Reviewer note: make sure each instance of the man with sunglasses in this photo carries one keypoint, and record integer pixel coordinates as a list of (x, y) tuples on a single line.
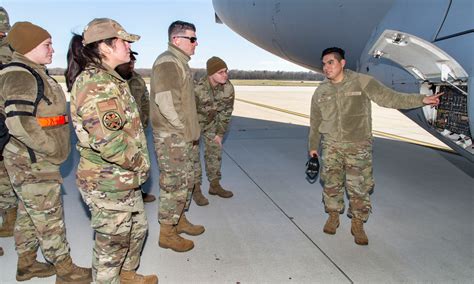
[(215, 103), (176, 131)]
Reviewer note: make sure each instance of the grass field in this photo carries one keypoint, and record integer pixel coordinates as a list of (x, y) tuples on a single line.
[(60, 79)]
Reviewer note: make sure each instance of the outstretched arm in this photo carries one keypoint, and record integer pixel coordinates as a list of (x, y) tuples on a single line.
[(432, 100)]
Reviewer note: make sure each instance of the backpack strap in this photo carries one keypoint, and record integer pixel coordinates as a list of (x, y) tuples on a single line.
[(39, 96)]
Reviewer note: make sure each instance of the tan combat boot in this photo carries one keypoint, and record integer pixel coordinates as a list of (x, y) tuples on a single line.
[(198, 197), (332, 223), (28, 267), (184, 226), (216, 189), (9, 218), (131, 277), (357, 230), (68, 272), (169, 238)]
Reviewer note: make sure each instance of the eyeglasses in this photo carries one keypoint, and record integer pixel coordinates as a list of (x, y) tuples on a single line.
[(192, 39)]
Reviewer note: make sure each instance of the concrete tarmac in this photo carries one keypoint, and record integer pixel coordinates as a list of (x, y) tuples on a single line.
[(421, 229)]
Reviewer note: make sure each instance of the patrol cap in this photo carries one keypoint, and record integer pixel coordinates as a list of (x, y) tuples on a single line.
[(4, 21), (104, 28)]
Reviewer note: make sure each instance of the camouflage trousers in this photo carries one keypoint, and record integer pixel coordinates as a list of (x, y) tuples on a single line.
[(176, 175), (8, 197), (347, 166), (40, 220), (212, 159), (119, 235)]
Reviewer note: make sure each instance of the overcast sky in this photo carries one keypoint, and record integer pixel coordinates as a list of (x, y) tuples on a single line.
[(150, 19)]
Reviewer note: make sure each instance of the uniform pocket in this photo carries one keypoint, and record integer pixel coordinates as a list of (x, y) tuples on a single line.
[(46, 171), (327, 105)]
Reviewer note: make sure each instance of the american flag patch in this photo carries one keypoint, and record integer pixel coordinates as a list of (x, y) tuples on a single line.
[(107, 105)]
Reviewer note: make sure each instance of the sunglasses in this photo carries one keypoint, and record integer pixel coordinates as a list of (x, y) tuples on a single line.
[(191, 38)]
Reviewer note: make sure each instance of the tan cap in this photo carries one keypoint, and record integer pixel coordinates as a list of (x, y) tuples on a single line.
[(25, 36), (104, 28)]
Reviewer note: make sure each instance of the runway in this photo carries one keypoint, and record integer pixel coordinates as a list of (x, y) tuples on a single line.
[(421, 229)]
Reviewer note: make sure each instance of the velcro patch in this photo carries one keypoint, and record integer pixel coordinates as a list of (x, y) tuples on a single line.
[(112, 120), (324, 99), (350, 94), (107, 105)]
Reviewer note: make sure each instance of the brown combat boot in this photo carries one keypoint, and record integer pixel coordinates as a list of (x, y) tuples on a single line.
[(169, 238), (332, 223), (184, 226), (131, 277), (148, 197), (9, 218), (357, 230), (216, 189), (68, 272), (28, 267), (1, 251), (198, 197)]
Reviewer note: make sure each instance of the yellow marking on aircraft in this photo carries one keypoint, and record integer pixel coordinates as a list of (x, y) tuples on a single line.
[(375, 132)]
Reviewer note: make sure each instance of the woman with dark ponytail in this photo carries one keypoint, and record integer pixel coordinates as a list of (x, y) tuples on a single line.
[(114, 156)]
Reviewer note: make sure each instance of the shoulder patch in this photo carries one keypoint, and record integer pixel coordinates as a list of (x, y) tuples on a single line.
[(112, 120)]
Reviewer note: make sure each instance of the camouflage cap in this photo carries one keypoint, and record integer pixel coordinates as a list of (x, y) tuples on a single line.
[(104, 28), (4, 21)]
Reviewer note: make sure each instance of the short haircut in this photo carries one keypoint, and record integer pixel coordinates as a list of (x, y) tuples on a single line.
[(339, 52), (178, 27)]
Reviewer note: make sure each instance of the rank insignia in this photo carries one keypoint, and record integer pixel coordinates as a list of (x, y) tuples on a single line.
[(112, 120)]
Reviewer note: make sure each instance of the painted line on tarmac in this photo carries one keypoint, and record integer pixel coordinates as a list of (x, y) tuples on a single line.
[(375, 132)]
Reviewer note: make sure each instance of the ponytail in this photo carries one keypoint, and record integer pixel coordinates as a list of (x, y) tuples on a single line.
[(79, 56)]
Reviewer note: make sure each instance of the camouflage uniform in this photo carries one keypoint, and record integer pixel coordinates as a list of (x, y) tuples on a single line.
[(142, 97), (175, 128), (34, 171), (5, 52), (341, 116), (114, 163), (8, 198), (214, 108)]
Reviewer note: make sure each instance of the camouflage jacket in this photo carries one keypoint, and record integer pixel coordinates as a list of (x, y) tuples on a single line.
[(172, 103), (111, 140), (342, 112), (142, 97), (18, 87), (5, 52), (214, 106)]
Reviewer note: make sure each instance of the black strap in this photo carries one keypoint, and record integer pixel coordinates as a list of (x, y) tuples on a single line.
[(39, 83), (39, 96), (18, 102)]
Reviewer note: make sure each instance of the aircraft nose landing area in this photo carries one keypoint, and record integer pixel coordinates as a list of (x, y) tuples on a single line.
[(420, 230)]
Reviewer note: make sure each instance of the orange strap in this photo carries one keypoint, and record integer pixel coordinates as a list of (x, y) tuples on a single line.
[(52, 121)]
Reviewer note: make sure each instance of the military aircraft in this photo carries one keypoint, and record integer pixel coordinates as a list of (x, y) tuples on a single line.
[(412, 46)]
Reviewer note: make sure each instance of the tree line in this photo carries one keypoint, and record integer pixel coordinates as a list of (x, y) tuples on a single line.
[(234, 74)]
